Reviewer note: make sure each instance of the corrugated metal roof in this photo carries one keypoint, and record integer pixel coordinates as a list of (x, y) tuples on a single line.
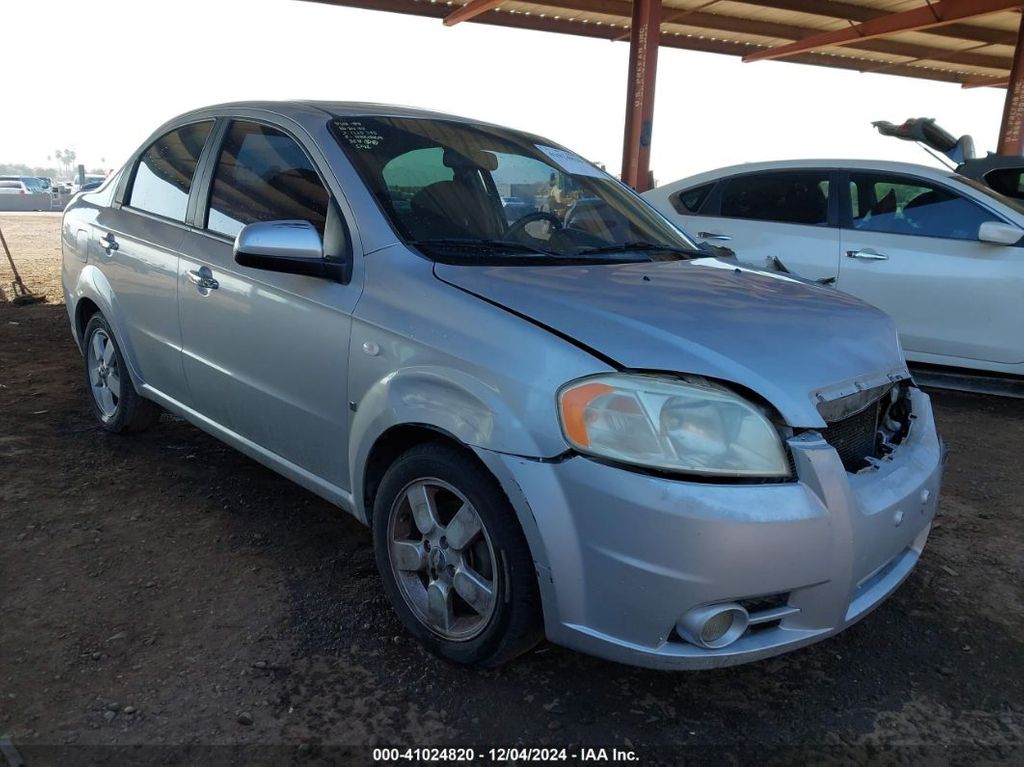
[(972, 51)]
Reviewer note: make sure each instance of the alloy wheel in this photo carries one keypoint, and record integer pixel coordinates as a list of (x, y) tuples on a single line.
[(442, 559), (104, 374)]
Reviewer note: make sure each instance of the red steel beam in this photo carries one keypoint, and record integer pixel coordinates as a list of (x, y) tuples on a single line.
[(931, 15), (643, 66), (1011, 135), (470, 10), (985, 82)]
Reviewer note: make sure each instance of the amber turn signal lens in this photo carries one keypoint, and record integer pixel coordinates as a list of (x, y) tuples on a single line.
[(574, 408)]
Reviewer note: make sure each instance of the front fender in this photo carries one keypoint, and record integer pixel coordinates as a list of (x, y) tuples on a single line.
[(450, 401)]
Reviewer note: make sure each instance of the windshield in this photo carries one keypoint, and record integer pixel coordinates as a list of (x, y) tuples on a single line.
[(464, 192)]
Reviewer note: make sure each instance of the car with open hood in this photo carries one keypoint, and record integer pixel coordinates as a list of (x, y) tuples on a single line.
[(1003, 173), (573, 424)]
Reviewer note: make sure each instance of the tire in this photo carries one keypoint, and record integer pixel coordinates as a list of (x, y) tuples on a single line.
[(426, 573), (115, 403)]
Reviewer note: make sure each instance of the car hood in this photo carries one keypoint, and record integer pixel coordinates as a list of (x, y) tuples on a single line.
[(792, 342)]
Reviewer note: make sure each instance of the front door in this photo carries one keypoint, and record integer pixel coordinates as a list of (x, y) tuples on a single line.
[(266, 353), (910, 247)]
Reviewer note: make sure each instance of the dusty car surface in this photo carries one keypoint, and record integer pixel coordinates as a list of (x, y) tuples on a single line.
[(592, 432)]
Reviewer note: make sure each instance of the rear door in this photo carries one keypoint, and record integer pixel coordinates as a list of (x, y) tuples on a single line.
[(135, 245), (266, 353), (911, 248), (789, 215)]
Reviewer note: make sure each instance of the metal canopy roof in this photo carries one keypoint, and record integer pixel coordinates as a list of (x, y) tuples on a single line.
[(970, 42)]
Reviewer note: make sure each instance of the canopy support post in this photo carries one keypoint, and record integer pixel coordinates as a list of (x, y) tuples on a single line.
[(643, 67), (1011, 134)]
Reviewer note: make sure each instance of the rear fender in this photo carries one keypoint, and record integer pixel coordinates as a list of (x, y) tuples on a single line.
[(93, 285)]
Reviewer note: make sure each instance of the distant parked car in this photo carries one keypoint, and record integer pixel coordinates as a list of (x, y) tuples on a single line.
[(33, 184), (50, 187), (1004, 173), (599, 433), (37, 198), (11, 186), (941, 253)]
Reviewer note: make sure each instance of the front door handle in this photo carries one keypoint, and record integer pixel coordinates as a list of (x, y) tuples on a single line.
[(866, 255), (108, 242), (713, 236), (203, 279)]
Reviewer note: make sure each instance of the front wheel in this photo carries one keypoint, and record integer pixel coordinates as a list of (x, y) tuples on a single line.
[(116, 404), (454, 561)]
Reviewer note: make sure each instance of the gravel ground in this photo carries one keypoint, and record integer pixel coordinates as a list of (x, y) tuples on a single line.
[(164, 589)]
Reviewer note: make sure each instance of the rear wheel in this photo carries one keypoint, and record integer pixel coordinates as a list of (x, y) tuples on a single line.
[(455, 563), (115, 402)]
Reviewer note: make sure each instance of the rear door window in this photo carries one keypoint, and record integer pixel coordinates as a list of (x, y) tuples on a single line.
[(786, 198), (903, 205), (163, 177), (263, 174)]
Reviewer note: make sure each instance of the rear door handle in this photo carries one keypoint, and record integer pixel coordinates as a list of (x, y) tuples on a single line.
[(866, 255), (108, 242), (203, 279), (713, 236)]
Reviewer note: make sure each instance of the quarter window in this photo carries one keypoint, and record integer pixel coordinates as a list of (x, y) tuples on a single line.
[(264, 175), (691, 200), (164, 174), (902, 205), (785, 198)]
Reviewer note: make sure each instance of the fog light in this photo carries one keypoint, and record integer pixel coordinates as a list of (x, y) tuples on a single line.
[(713, 626)]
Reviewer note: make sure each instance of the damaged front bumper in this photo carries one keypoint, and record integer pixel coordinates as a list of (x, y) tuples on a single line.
[(622, 556)]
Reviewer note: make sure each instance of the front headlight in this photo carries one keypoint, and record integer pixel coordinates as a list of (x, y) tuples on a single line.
[(697, 427)]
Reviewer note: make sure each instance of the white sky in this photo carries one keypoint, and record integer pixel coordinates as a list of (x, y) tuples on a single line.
[(100, 75)]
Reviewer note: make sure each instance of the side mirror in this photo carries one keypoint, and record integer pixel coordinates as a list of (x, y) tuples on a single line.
[(999, 233), (293, 247)]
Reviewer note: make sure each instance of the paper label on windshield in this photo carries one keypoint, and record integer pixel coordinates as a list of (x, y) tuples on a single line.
[(358, 135), (571, 163)]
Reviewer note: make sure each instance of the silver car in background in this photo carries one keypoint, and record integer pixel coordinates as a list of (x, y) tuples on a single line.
[(582, 428)]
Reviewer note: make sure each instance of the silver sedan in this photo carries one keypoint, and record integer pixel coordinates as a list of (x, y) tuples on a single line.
[(569, 422)]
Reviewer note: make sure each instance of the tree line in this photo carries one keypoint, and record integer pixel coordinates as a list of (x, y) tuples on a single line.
[(65, 166)]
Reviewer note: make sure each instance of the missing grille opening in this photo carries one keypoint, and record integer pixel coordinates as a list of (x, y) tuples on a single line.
[(872, 432)]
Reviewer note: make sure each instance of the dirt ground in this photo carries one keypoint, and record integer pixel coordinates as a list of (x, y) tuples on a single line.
[(164, 589)]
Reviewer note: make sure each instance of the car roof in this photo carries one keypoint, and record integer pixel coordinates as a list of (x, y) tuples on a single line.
[(296, 108), (886, 166), (299, 110)]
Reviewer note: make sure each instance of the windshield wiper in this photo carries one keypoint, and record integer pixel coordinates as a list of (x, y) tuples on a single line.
[(466, 242), (644, 245)]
